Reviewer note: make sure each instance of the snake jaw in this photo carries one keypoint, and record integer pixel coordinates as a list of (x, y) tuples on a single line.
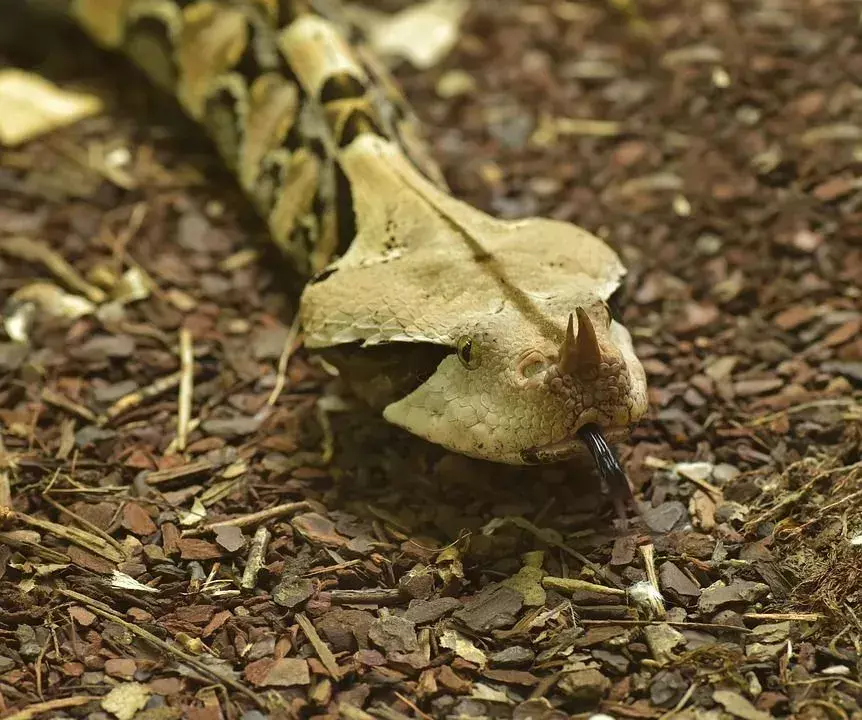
[(590, 438), (573, 444), (594, 384)]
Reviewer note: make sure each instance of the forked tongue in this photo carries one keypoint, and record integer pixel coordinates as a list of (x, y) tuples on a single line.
[(610, 471)]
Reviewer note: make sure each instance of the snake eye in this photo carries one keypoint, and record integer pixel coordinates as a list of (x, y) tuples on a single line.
[(466, 352)]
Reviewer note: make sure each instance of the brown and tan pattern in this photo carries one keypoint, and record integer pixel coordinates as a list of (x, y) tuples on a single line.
[(450, 321), (239, 568)]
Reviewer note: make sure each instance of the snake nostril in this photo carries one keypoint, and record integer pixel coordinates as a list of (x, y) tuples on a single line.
[(531, 364), (532, 369)]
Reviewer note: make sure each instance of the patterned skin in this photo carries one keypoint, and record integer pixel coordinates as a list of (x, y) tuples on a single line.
[(504, 327)]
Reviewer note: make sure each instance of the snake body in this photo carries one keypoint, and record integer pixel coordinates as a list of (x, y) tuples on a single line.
[(492, 338)]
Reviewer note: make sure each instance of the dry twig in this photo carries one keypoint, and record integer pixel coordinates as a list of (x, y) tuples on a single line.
[(184, 414), (105, 612)]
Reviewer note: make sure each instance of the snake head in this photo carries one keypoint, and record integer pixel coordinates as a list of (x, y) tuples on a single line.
[(511, 317), (516, 395)]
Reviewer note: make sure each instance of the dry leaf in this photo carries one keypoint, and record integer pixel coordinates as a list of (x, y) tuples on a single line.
[(737, 705), (33, 106), (37, 251), (121, 581), (195, 515), (422, 34), (550, 129), (193, 645), (488, 694), (44, 297), (125, 700), (463, 647), (702, 507), (287, 672), (134, 285)]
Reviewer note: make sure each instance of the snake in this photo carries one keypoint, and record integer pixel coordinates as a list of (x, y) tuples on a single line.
[(498, 339)]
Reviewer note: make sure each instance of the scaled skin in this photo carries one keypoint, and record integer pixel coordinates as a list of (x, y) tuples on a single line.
[(426, 268)]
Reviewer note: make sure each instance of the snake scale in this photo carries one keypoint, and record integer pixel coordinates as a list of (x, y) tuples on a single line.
[(494, 339)]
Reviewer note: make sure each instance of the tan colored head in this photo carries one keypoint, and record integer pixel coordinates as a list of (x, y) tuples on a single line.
[(519, 308), (517, 397)]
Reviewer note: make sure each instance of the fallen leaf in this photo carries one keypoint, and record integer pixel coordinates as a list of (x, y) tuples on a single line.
[(317, 529), (795, 316), (737, 705), (195, 614), (134, 285), (834, 188), (121, 581), (219, 619), (489, 694), (39, 251), (463, 647), (34, 106), (45, 298), (125, 700), (661, 640), (512, 677), (453, 682), (528, 582), (195, 515), (422, 34), (843, 333), (754, 386), (292, 592)]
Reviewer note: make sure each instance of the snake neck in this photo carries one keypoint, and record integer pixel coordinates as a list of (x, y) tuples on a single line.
[(281, 90)]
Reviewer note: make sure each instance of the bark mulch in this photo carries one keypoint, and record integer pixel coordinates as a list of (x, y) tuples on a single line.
[(195, 522)]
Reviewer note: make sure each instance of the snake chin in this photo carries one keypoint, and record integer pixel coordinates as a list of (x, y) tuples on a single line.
[(570, 447)]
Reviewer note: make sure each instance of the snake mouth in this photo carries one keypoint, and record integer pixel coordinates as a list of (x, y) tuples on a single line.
[(564, 449), (591, 438)]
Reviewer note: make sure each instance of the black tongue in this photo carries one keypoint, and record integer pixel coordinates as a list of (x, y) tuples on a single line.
[(610, 471)]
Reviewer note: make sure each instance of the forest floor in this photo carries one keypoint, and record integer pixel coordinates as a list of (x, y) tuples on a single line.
[(291, 564)]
